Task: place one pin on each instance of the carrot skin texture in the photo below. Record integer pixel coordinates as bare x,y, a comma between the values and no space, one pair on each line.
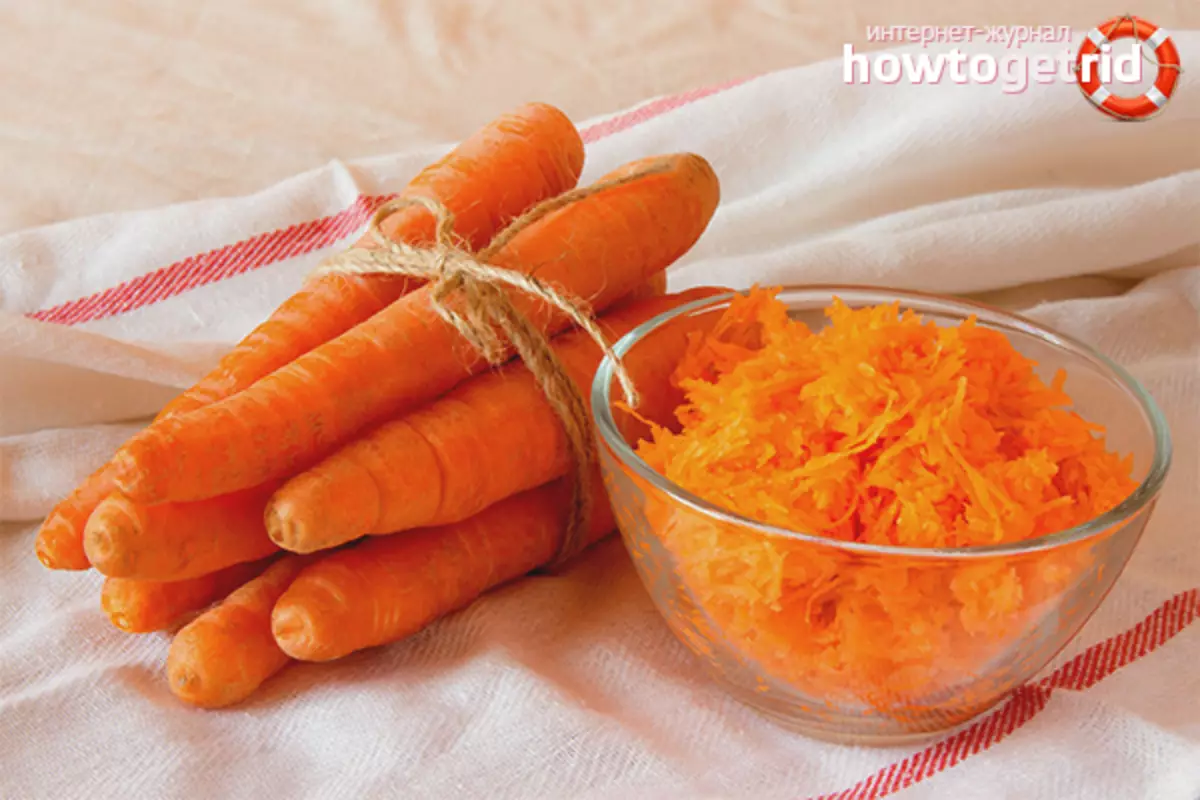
654,286
475,182
59,542
144,606
489,438
536,143
222,656
389,587
600,248
176,541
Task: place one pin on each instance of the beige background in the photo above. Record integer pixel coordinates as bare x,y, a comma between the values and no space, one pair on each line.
108,105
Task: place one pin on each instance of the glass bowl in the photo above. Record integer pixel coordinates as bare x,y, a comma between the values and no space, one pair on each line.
1004,611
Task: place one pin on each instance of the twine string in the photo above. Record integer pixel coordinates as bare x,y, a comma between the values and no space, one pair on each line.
478,300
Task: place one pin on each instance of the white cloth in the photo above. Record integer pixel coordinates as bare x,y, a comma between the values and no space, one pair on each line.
571,686
115,105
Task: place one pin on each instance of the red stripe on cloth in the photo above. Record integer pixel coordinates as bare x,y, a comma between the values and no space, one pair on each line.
215,265
294,240
655,108
1082,672
1097,663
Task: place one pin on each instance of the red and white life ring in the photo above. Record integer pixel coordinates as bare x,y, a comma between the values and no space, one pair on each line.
1129,108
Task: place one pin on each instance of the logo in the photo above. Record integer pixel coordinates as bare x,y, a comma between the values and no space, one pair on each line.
1094,67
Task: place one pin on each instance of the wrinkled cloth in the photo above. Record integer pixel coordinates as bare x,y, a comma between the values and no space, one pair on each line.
570,685
113,105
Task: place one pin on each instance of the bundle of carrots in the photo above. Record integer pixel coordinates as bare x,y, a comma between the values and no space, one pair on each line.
350,472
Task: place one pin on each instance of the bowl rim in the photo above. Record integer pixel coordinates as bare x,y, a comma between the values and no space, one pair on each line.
1141,497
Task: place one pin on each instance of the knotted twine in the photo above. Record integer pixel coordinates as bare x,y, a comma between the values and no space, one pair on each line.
470,294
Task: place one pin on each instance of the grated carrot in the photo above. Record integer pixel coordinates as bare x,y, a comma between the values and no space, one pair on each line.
881,428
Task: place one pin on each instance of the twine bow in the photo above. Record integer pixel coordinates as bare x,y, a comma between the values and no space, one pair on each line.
475,298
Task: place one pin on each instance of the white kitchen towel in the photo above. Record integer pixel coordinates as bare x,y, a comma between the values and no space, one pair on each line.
570,685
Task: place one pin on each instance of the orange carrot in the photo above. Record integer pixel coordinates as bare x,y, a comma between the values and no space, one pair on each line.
143,606
489,438
175,541
886,429
390,587
513,162
654,286
600,248
509,165
223,655
59,543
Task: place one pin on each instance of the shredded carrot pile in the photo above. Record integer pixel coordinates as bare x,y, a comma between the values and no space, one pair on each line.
883,428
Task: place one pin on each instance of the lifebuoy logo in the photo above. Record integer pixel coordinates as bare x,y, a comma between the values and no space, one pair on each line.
1094,61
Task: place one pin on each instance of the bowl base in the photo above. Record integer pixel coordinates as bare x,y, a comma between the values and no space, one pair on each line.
834,733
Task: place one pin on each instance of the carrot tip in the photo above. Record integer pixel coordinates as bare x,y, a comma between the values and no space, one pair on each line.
285,531
293,632
44,557
121,621
58,546
98,545
186,684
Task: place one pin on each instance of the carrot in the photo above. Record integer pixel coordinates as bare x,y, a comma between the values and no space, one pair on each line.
510,164
654,286
389,587
489,438
175,541
59,542
223,655
879,428
142,606
600,247
493,176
